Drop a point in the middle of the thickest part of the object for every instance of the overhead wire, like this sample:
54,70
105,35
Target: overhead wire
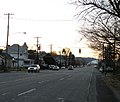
44,20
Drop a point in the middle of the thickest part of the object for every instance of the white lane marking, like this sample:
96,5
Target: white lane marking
62,78
3,94
62,99
26,92
13,99
43,81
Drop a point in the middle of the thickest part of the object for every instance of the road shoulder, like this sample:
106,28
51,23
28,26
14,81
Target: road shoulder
114,84
104,92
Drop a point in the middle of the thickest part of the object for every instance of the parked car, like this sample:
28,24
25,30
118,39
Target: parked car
70,67
63,67
109,69
56,68
51,67
34,68
101,69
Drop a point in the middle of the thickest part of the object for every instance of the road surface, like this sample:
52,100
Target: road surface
78,85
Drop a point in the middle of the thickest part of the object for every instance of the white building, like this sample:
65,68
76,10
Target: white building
20,54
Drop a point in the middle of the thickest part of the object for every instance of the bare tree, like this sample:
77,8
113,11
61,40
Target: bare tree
102,21
102,32
97,8
102,16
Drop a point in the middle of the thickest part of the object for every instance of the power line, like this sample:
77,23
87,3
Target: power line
45,20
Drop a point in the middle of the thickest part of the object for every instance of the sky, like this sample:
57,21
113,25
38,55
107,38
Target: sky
51,20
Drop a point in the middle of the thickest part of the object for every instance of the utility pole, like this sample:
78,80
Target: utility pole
18,58
8,14
51,48
38,48
114,45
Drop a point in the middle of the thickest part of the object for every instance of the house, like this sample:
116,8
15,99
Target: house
1,61
20,55
5,60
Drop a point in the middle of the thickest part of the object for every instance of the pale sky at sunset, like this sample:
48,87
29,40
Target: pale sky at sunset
52,20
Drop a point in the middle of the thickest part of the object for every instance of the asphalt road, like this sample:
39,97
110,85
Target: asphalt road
78,85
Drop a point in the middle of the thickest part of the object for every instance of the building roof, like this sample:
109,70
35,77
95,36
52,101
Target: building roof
15,47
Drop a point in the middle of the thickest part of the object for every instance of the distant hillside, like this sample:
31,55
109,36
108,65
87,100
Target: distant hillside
85,59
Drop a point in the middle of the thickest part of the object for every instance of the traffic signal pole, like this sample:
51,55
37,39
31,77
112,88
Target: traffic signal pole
37,58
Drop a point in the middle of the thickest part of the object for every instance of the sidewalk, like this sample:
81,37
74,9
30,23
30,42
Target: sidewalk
104,92
113,82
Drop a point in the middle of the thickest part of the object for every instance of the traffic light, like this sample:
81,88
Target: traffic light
79,50
39,47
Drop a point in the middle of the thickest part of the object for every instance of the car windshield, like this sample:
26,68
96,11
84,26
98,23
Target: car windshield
33,65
